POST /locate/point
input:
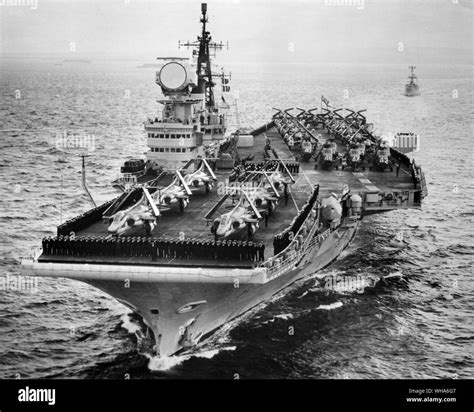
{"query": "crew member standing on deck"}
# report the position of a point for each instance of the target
(154, 251)
(269, 210)
(249, 231)
(147, 226)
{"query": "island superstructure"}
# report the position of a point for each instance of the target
(198, 238)
(193, 118)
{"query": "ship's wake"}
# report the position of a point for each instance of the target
(145, 345)
(165, 363)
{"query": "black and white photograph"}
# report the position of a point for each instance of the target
(275, 191)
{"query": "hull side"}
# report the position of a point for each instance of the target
(159, 304)
(412, 91)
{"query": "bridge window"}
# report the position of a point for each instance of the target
(167, 136)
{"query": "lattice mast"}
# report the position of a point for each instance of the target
(204, 71)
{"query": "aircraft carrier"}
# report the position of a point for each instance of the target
(215, 221)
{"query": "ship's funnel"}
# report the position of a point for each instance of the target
(204, 8)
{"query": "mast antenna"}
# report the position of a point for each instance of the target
(204, 71)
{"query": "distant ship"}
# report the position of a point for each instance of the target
(412, 88)
(213, 222)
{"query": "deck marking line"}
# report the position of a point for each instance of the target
(373, 188)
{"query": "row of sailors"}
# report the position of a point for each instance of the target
(270, 166)
(240, 171)
(283, 239)
(292, 167)
(257, 167)
(83, 221)
(139, 246)
(209, 249)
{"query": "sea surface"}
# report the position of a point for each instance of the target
(411, 318)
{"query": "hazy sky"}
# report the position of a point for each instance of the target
(312, 30)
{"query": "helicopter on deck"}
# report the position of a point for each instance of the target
(381, 159)
(328, 157)
(355, 157)
(308, 149)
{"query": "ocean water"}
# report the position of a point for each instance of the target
(411, 317)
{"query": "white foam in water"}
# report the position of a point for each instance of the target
(331, 306)
(397, 274)
(285, 316)
(127, 324)
(164, 363)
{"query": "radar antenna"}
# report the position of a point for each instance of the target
(204, 72)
